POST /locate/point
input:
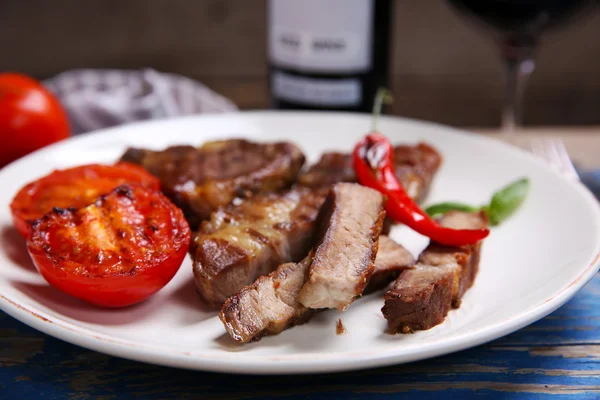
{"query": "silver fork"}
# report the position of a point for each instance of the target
(554, 152)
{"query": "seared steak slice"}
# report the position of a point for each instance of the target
(421, 297)
(244, 241)
(201, 180)
(349, 224)
(415, 168)
(270, 305)
(391, 259)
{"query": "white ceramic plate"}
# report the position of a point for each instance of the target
(530, 265)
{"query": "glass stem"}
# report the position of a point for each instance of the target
(518, 66)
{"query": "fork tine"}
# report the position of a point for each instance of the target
(565, 159)
(554, 152)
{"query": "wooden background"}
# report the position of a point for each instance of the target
(442, 68)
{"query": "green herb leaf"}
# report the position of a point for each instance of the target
(442, 208)
(507, 200)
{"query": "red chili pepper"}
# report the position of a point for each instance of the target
(374, 166)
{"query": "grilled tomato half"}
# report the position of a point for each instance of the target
(73, 188)
(116, 252)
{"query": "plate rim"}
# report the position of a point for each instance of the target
(296, 364)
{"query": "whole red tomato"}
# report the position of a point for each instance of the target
(114, 253)
(30, 117)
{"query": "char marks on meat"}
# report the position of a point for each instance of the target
(350, 222)
(270, 305)
(246, 240)
(202, 179)
(422, 297)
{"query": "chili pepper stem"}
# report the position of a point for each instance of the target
(383, 96)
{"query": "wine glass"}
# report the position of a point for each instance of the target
(516, 26)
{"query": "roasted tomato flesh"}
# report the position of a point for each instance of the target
(116, 252)
(73, 188)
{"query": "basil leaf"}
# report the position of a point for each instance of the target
(442, 208)
(507, 200)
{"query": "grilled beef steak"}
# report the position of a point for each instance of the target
(415, 168)
(225, 264)
(244, 241)
(349, 224)
(201, 180)
(421, 297)
(270, 305)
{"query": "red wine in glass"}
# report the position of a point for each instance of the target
(517, 25)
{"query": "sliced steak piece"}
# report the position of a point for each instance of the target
(467, 257)
(201, 180)
(421, 297)
(391, 259)
(349, 224)
(270, 305)
(244, 241)
(416, 167)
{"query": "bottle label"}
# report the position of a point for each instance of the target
(321, 35)
(312, 91)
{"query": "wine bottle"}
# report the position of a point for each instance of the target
(327, 54)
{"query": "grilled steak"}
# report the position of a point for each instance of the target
(270, 305)
(201, 180)
(415, 168)
(421, 297)
(349, 224)
(224, 263)
(244, 241)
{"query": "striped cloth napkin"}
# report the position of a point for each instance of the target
(95, 99)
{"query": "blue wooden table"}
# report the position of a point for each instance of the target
(557, 357)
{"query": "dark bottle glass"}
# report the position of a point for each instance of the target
(328, 54)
